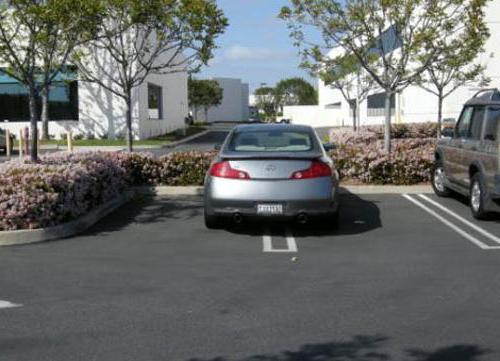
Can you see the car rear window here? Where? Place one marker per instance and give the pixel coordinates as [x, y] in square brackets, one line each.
[271, 141]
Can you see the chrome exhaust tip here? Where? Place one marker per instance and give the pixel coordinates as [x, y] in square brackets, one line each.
[237, 218]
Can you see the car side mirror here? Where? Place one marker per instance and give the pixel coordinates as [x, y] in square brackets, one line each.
[329, 147]
[447, 133]
[217, 146]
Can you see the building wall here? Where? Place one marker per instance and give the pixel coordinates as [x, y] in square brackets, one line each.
[245, 98]
[102, 113]
[414, 103]
[314, 116]
[174, 105]
[234, 105]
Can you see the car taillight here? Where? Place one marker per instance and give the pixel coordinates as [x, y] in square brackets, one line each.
[224, 170]
[316, 170]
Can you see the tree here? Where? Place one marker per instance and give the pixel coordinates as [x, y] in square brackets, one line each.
[204, 94]
[347, 76]
[265, 101]
[461, 43]
[36, 39]
[394, 41]
[295, 91]
[139, 38]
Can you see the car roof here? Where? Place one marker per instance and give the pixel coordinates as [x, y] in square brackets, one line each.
[257, 127]
[485, 97]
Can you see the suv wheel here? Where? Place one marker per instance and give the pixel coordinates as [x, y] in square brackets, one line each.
[438, 178]
[478, 197]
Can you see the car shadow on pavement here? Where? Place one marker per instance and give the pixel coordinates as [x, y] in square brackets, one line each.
[357, 215]
[364, 348]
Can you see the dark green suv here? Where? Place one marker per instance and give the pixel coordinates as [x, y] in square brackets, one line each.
[467, 159]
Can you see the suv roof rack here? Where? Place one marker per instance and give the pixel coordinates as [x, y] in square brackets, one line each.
[494, 94]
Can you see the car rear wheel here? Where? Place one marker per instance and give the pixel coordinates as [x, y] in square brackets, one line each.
[478, 197]
[212, 222]
[334, 219]
[438, 179]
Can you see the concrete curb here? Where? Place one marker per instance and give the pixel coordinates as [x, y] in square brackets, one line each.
[170, 190]
[348, 189]
[385, 189]
[27, 236]
[187, 139]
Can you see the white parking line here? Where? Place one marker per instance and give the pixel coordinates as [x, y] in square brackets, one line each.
[267, 243]
[461, 219]
[7, 304]
[460, 231]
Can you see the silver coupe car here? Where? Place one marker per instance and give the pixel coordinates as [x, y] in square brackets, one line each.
[272, 171]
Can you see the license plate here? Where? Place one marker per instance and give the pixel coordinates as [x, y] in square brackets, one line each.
[269, 209]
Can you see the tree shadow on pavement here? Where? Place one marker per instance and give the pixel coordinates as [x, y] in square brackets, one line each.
[459, 352]
[364, 348]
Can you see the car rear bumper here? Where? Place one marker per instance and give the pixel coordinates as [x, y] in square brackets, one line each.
[314, 197]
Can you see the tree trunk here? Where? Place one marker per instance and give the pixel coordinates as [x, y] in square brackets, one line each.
[354, 116]
[358, 116]
[33, 124]
[387, 125]
[440, 114]
[129, 121]
[195, 115]
[358, 95]
[206, 114]
[45, 112]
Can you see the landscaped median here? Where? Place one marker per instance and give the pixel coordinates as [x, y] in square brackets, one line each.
[360, 157]
[67, 192]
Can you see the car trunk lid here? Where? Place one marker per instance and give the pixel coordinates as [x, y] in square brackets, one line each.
[270, 168]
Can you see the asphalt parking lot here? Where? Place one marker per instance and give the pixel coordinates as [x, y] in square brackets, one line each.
[398, 281]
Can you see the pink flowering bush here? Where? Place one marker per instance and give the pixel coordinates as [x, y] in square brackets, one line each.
[64, 186]
[360, 156]
[52, 192]
[368, 134]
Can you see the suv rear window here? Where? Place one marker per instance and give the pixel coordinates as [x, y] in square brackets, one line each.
[464, 122]
[271, 141]
[490, 131]
[477, 123]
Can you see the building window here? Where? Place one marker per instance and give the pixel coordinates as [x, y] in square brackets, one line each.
[14, 101]
[155, 102]
[376, 104]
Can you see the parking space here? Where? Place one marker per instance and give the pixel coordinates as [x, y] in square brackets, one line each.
[150, 282]
[454, 213]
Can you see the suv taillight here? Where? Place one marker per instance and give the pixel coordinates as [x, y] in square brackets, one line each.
[316, 170]
[224, 170]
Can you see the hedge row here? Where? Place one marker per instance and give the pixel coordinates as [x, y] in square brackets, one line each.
[66, 185]
[360, 156]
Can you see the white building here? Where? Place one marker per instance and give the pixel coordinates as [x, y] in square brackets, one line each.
[414, 104]
[159, 106]
[234, 105]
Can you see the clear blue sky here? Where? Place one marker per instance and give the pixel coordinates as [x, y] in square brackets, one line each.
[256, 46]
